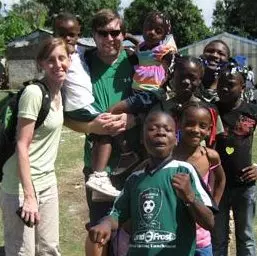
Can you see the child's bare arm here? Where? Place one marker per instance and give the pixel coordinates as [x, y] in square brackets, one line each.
[132, 39]
[201, 213]
[101, 233]
[219, 175]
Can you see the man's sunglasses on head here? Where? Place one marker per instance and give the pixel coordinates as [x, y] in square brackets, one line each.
[112, 33]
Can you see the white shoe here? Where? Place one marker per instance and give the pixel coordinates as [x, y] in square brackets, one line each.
[100, 182]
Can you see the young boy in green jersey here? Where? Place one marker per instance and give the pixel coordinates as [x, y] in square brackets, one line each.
[163, 200]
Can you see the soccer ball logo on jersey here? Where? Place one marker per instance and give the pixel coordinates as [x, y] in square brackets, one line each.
[148, 206]
[150, 202]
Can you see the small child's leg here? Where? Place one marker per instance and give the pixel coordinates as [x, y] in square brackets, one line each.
[101, 152]
[99, 180]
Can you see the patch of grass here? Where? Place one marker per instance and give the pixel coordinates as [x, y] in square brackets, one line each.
[73, 208]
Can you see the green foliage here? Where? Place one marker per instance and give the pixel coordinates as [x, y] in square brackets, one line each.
[22, 19]
[237, 17]
[186, 20]
[84, 8]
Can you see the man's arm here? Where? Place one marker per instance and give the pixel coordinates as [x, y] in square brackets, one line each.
[104, 124]
[201, 213]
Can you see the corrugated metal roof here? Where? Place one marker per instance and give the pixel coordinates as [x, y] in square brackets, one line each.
[25, 40]
[225, 34]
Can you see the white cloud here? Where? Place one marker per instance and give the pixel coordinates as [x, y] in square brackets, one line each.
[207, 7]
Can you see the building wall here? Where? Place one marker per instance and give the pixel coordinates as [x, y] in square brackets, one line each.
[21, 65]
[20, 71]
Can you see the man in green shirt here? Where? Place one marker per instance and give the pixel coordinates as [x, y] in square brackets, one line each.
[163, 200]
[111, 74]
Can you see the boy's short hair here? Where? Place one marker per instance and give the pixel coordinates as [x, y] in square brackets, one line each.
[63, 17]
[155, 113]
[104, 17]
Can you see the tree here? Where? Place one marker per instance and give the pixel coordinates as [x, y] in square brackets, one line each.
[31, 11]
[84, 8]
[236, 16]
[22, 19]
[186, 20]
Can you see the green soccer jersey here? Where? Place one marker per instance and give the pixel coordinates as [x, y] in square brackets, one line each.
[111, 84]
[161, 222]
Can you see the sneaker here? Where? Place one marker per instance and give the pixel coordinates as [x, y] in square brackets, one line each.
[100, 182]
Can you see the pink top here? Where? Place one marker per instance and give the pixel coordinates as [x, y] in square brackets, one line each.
[203, 236]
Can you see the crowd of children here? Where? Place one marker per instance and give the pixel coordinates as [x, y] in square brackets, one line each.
[207, 111]
[197, 134]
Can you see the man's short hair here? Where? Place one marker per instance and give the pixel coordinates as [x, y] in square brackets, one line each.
[104, 17]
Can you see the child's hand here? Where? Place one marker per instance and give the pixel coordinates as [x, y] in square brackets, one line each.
[181, 182]
[249, 173]
[100, 233]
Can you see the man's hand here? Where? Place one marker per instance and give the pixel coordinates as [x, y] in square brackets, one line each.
[249, 173]
[181, 183]
[100, 233]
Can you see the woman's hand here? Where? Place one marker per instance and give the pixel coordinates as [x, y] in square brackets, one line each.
[108, 124]
[30, 210]
[120, 123]
[103, 124]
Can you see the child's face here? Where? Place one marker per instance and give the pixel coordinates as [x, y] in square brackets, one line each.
[215, 53]
[195, 125]
[69, 30]
[153, 32]
[230, 87]
[160, 135]
[186, 80]
[56, 65]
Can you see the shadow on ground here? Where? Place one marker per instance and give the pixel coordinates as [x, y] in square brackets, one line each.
[2, 251]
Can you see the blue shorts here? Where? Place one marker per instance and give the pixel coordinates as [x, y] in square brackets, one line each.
[142, 101]
[205, 251]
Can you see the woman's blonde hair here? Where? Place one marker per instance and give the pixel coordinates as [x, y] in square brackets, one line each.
[47, 46]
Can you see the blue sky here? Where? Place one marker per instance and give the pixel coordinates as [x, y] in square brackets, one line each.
[207, 7]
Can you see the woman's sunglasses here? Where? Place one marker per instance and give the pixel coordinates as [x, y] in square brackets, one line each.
[112, 33]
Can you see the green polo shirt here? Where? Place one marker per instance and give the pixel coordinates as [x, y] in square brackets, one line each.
[111, 84]
[161, 222]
